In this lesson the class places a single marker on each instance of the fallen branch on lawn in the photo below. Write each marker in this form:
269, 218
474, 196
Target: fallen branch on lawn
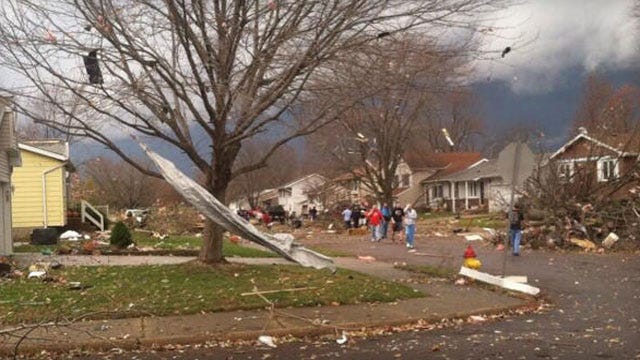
277, 291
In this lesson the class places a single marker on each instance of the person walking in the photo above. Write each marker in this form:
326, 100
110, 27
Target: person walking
410, 225
386, 218
313, 214
355, 217
374, 218
346, 216
516, 218
397, 217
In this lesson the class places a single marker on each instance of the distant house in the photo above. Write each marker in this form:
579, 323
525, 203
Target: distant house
9, 158
417, 167
600, 159
293, 196
40, 185
357, 191
478, 182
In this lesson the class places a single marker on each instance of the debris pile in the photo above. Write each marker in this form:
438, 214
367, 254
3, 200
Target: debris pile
558, 212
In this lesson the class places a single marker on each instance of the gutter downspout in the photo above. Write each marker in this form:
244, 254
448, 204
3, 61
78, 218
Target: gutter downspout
44, 191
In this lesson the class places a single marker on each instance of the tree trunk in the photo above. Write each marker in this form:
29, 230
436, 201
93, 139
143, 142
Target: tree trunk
211, 251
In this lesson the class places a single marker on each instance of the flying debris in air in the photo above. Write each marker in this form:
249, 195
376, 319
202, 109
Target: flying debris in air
93, 68
506, 51
383, 34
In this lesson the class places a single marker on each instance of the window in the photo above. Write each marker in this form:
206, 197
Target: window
406, 180
396, 181
285, 192
355, 185
607, 170
565, 171
436, 191
473, 189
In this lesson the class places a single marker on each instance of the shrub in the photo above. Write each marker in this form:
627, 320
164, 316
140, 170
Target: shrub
120, 235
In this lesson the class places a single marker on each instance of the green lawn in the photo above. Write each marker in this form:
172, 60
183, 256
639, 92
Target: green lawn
431, 271
169, 243
184, 289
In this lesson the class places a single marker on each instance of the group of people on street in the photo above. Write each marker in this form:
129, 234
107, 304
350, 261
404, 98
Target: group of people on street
378, 220
403, 222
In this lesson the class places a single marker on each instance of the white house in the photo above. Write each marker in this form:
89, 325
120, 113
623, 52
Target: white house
293, 196
9, 157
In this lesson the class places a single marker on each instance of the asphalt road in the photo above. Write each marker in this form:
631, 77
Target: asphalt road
593, 314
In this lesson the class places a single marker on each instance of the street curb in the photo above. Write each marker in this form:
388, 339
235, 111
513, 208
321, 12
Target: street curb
302, 331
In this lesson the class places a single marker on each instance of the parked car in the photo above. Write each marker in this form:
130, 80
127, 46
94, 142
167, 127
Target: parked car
277, 213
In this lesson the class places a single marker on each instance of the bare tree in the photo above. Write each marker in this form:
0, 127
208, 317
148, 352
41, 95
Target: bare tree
281, 167
120, 184
199, 76
457, 111
396, 95
606, 110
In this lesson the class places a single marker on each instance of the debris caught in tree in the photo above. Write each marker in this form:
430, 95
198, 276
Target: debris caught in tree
506, 51
93, 67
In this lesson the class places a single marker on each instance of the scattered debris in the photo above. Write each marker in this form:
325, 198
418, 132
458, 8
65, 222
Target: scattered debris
477, 318
495, 280
277, 291
77, 285
71, 235
343, 339
610, 240
267, 340
491, 231
38, 274
366, 258
473, 237
461, 281
585, 244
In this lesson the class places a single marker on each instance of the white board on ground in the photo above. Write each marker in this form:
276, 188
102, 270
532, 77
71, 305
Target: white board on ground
496, 280
473, 237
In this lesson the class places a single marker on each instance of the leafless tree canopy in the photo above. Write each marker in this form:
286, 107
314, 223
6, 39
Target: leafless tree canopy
198, 76
398, 89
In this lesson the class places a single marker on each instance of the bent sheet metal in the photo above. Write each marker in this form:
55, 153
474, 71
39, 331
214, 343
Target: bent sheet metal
210, 207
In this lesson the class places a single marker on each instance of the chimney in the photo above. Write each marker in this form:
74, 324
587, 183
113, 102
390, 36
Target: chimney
582, 130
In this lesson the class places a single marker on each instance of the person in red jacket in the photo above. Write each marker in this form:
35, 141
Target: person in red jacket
374, 219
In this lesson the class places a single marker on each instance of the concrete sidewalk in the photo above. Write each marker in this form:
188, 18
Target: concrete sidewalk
443, 300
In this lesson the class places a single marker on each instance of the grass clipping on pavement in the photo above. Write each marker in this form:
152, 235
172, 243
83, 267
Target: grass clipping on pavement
129, 291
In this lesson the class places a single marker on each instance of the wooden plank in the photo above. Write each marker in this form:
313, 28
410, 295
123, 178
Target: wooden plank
276, 291
496, 280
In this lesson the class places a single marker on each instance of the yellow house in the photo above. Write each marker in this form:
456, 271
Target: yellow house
40, 191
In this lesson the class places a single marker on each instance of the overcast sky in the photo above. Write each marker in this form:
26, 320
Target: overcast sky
550, 37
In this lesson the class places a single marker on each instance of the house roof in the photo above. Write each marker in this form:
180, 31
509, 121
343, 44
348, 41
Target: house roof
306, 177
622, 144
455, 162
56, 149
358, 172
426, 160
484, 170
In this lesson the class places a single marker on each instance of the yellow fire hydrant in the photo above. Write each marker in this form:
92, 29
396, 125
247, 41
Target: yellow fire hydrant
470, 259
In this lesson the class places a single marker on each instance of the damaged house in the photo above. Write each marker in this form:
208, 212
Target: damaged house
472, 182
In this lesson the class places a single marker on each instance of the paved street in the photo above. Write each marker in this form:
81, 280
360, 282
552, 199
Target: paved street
594, 312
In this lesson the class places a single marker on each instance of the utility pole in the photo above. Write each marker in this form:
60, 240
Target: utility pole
514, 180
